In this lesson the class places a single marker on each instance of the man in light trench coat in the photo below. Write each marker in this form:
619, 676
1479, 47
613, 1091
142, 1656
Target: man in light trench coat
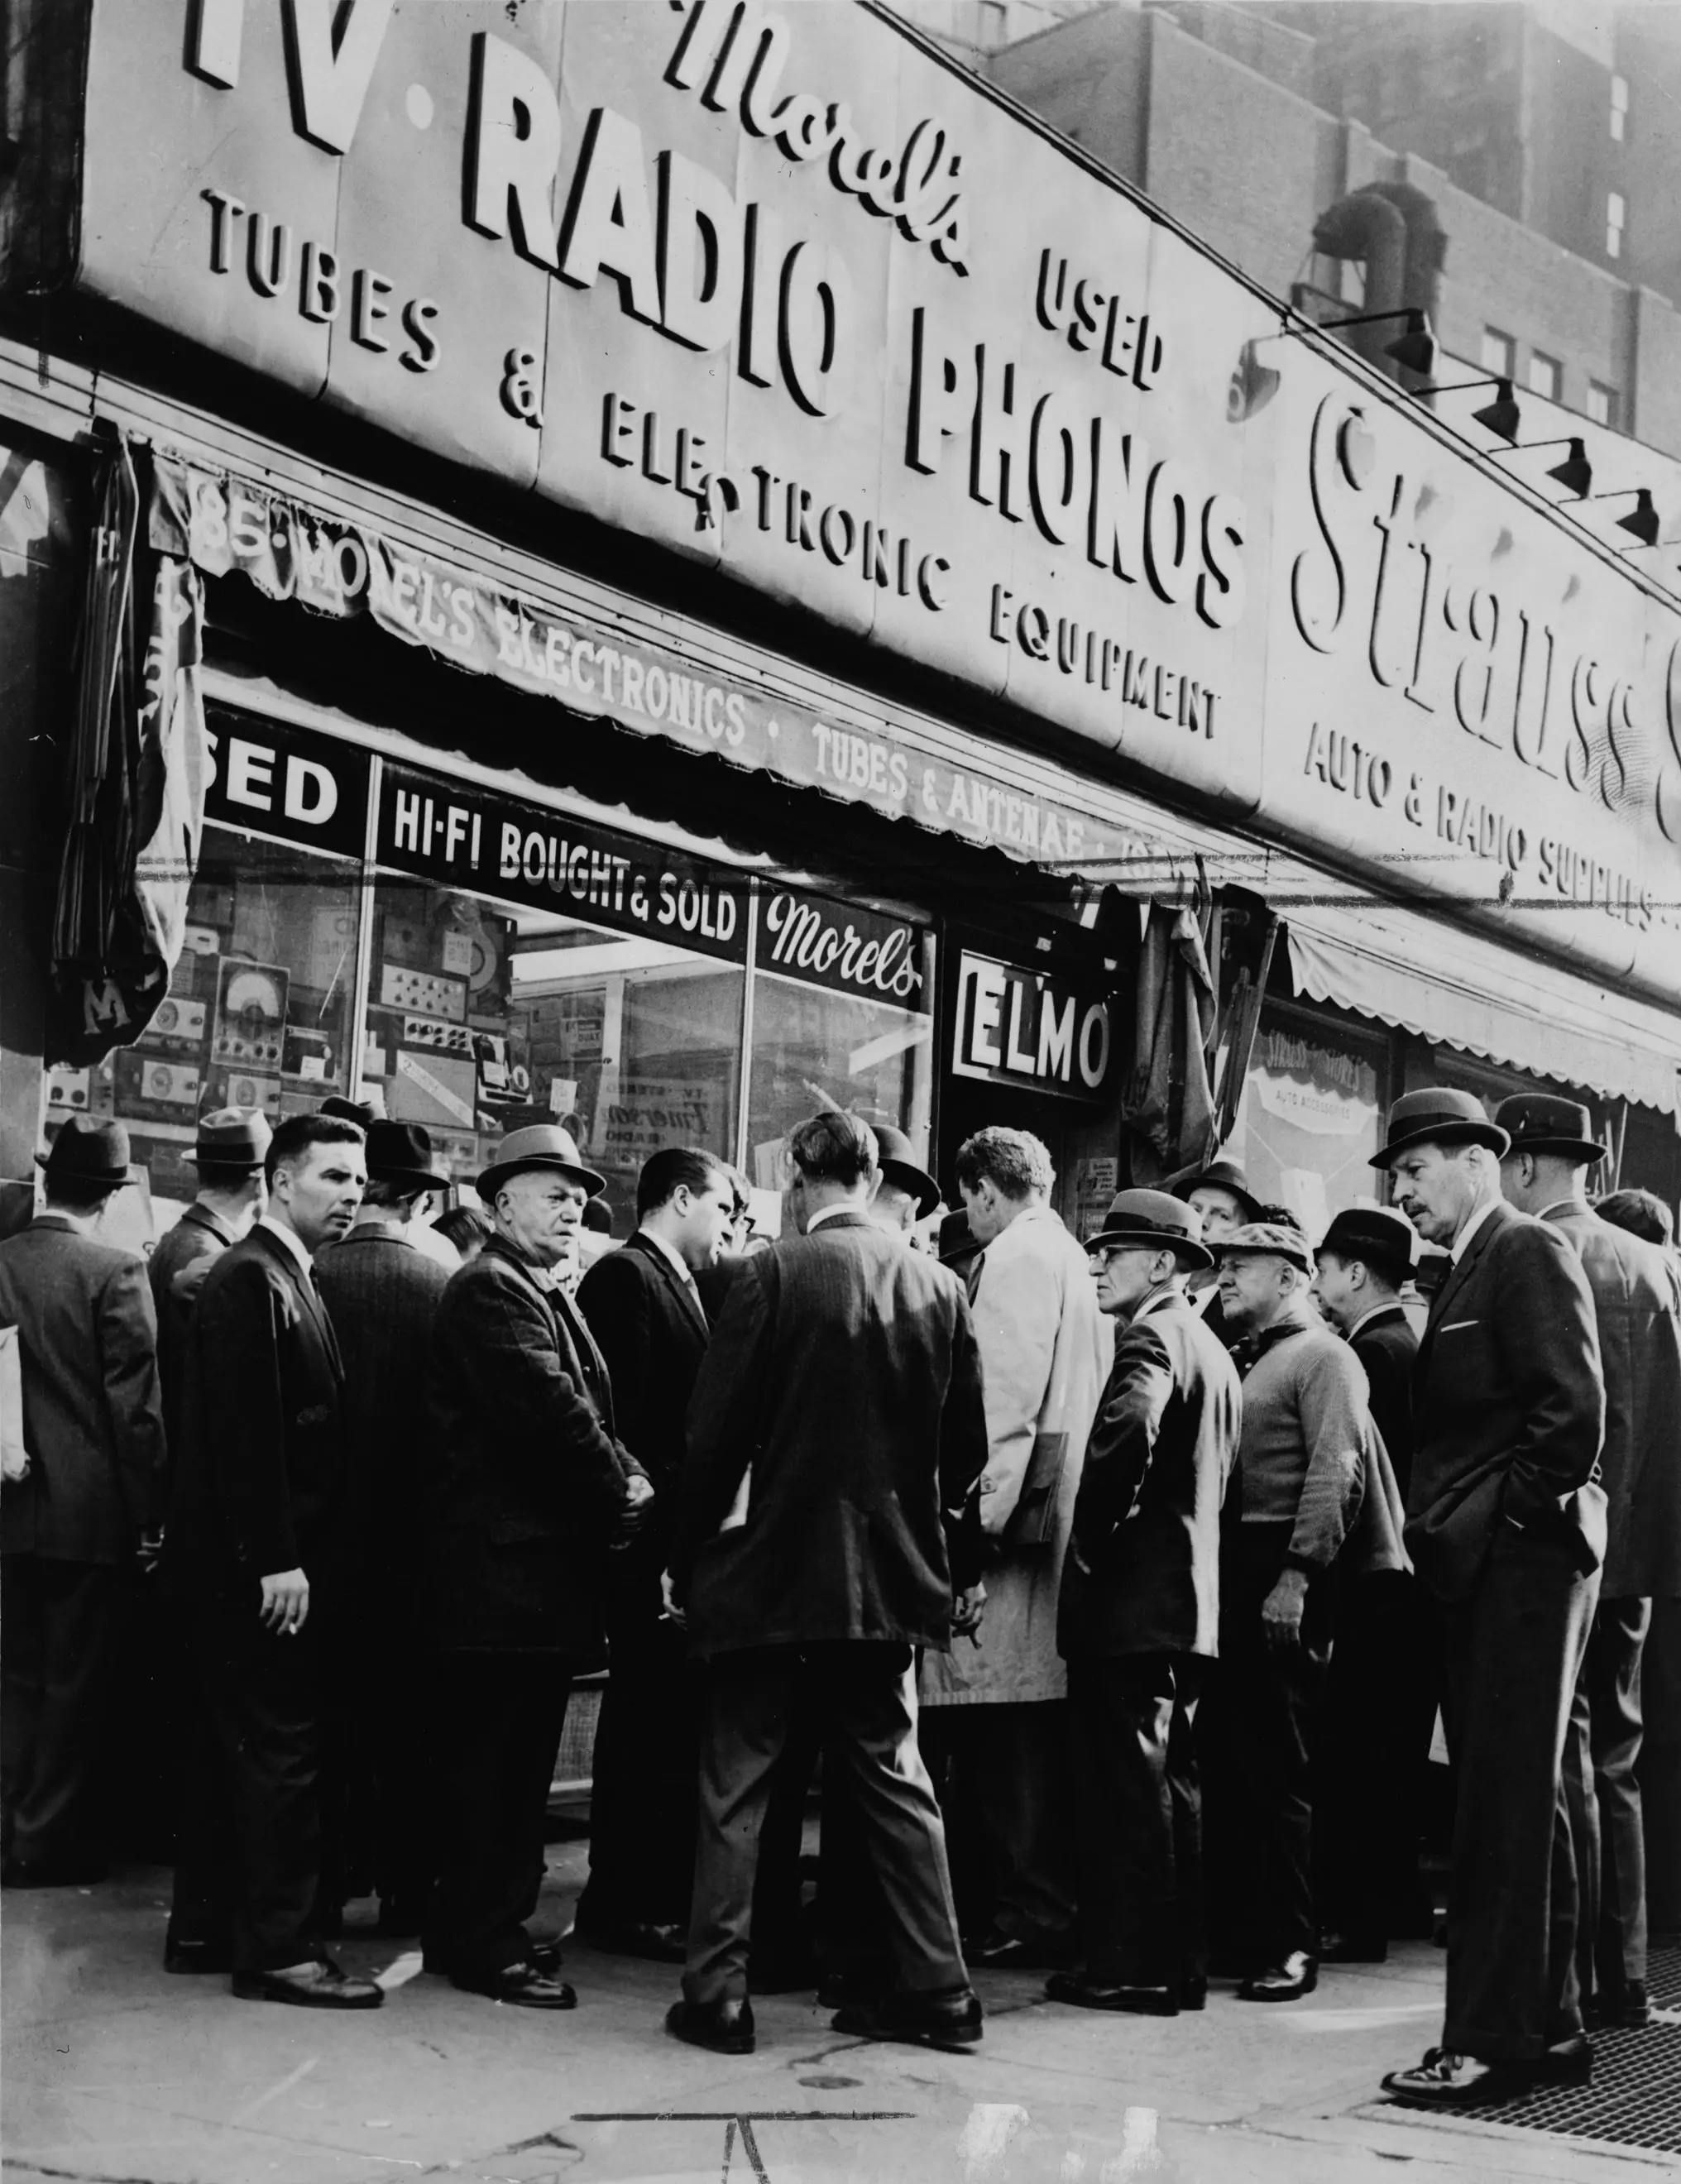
993, 1726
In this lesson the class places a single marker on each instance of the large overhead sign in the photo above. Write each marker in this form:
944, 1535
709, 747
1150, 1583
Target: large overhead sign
776, 288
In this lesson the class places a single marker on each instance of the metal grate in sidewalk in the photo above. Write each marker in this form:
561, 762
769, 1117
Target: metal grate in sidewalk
1634, 2099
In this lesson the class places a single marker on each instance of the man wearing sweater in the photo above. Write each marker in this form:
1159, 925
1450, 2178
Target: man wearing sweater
1315, 1490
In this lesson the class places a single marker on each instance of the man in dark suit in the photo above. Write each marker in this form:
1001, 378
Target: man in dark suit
382, 1297
1385, 1680
531, 1487
837, 1422
644, 1310
1637, 1308
1139, 1613
258, 1549
228, 1155
75, 1528
1506, 1529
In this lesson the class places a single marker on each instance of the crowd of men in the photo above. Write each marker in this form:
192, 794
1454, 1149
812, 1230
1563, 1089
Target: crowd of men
1115, 1583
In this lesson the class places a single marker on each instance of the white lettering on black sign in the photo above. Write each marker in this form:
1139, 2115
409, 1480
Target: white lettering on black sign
1031, 1028
855, 951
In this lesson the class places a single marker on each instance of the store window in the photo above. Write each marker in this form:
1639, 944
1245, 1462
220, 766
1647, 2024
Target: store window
587, 978
841, 1015
1312, 1115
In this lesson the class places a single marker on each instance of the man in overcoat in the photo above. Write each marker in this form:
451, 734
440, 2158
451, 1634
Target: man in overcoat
530, 1488
1140, 1613
836, 1426
1507, 1529
73, 1530
995, 1719
1637, 1310
257, 1550
228, 1155
643, 1307
382, 1295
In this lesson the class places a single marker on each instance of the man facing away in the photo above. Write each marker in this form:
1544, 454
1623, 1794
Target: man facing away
644, 1309
837, 1417
75, 1529
258, 1545
1385, 1680
382, 1294
1506, 1529
1637, 1310
228, 1157
1318, 1501
1139, 1614
530, 1488
995, 1720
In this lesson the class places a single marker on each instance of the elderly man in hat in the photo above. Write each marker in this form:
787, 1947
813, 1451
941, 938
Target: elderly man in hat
1507, 1530
1637, 1309
382, 1295
1139, 1614
530, 1489
228, 1157
74, 1525
1317, 1499
1385, 1681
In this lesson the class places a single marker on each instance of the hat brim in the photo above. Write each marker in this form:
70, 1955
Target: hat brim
1152, 1240
1247, 1199
1582, 1149
908, 1177
1303, 1258
492, 1178
409, 1179
103, 1179
1443, 1133
200, 1156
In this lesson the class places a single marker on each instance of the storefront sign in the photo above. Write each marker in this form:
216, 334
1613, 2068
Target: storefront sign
460, 836
849, 950
1032, 1029
271, 778
774, 288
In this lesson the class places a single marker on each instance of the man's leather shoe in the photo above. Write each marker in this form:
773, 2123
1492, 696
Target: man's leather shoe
1193, 1994
1298, 1974
726, 2027
526, 1985
1569, 2062
197, 1957
1353, 1949
51, 1873
950, 2019
660, 1943
1445, 2079
1629, 2007
320, 1985
1083, 1993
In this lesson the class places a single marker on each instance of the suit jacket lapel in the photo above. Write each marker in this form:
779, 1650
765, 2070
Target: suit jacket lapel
1457, 1277
314, 1303
691, 1301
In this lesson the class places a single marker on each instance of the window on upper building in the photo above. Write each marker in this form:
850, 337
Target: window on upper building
1615, 218
1498, 352
1601, 405
1545, 375
1619, 107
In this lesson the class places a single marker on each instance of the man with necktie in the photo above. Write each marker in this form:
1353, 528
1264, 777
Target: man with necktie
531, 1487
256, 1545
645, 1311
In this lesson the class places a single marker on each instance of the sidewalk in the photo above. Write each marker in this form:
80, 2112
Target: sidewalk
117, 2073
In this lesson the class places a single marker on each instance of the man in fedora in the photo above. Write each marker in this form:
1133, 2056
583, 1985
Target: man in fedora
1637, 1308
1507, 1532
530, 1488
1385, 1681
1139, 1614
227, 1157
76, 1526
643, 1306
905, 1193
1221, 1197
382, 1295
1317, 1501
257, 1550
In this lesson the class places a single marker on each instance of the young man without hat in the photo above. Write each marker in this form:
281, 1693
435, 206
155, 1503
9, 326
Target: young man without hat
1316, 1502
1637, 1309
1506, 1529
1139, 1614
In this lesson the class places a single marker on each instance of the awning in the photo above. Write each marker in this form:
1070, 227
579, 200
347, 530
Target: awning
1447, 985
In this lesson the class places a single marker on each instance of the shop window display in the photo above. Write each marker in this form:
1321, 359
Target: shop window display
257, 1014
1311, 1116
482, 1017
